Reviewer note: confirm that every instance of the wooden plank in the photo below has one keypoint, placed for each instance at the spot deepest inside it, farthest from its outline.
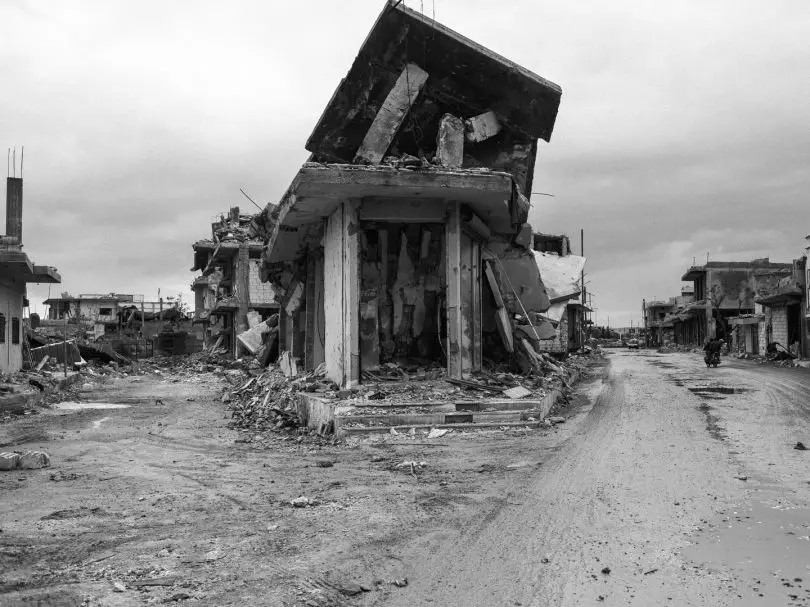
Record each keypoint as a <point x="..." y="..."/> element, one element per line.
<point x="351" y="293"/>
<point x="453" y="251"/>
<point x="505" y="329"/>
<point x="391" y="115"/>
<point x="493" y="285"/>
<point x="333" y="297"/>
<point x="450" y="142"/>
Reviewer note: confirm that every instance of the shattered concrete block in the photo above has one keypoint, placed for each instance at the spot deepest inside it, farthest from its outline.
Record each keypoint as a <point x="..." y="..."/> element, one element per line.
<point x="253" y="318"/>
<point x="33" y="460"/>
<point x="252" y="338"/>
<point x="450" y="142"/>
<point x="9" y="461"/>
<point x="482" y="127"/>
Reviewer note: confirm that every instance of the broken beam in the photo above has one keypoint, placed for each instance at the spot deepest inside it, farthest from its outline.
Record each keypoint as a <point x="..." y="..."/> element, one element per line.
<point x="391" y="115"/>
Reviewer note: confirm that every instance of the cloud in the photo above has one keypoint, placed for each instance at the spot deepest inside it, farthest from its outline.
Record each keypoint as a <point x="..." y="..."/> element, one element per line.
<point x="681" y="128"/>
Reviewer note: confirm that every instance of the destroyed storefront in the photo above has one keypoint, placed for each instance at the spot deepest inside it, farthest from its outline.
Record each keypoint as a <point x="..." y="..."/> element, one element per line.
<point x="406" y="236"/>
<point x="16" y="271"/>
<point x="722" y="290"/>
<point x="781" y="300"/>
<point x="228" y="292"/>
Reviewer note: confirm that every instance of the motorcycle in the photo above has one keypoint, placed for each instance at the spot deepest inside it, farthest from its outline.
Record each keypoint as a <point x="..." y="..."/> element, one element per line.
<point x="712" y="359"/>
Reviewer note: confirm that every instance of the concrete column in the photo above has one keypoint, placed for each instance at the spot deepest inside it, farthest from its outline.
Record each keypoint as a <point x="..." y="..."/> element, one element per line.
<point x="14" y="208"/>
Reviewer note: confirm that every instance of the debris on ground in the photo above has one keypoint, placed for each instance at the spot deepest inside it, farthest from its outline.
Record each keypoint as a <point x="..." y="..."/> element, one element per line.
<point x="24" y="460"/>
<point x="800" y="446"/>
<point x="303" y="502"/>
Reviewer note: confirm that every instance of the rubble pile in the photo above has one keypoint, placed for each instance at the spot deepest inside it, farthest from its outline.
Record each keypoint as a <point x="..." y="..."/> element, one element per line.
<point x="269" y="401"/>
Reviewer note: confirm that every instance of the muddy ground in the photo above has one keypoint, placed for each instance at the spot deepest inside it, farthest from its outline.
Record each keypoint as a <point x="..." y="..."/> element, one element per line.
<point x="669" y="484"/>
<point x="160" y="502"/>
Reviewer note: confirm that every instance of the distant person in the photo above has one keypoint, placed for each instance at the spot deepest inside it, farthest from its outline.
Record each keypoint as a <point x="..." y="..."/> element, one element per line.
<point x="713" y="346"/>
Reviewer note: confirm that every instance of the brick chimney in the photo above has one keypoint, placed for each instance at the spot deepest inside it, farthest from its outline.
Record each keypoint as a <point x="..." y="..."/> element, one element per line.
<point x="14" y="208"/>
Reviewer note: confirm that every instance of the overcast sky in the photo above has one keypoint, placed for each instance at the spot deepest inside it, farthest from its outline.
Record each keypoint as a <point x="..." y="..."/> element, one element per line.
<point x="683" y="127"/>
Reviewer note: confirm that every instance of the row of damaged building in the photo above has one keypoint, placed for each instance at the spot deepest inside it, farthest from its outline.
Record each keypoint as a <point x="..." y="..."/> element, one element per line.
<point x="756" y="307"/>
<point x="405" y="236"/>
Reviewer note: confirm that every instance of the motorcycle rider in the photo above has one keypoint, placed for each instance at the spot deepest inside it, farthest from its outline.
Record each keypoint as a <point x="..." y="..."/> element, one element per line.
<point x="712" y="349"/>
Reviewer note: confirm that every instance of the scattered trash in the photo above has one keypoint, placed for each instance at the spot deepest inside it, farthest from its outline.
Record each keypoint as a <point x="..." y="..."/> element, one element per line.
<point x="606" y="570"/>
<point x="741" y="478"/>
<point x="324" y="463"/>
<point x="119" y="587"/>
<point x="557" y="420"/>
<point x="400" y="583"/>
<point x="651" y="571"/>
<point x="800" y="446"/>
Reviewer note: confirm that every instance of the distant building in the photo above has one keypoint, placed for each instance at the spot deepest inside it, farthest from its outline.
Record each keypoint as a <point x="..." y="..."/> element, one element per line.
<point x="16" y="271"/>
<point x="722" y="290"/>
<point x="107" y="313"/>
<point x="229" y="287"/>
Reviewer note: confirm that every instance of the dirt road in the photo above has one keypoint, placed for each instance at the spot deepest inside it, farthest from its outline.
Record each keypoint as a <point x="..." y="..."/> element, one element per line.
<point x="638" y="499"/>
<point x="680" y="486"/>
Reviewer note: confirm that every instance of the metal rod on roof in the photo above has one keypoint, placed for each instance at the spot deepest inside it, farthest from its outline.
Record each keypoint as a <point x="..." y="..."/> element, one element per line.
<point x="250" y="199"/>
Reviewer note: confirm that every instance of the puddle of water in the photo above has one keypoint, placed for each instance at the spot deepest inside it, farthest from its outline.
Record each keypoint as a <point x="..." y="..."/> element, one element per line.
<point x="71" y="406"/>
<point x="767" y="548"/>
<point x="718" y="389"/>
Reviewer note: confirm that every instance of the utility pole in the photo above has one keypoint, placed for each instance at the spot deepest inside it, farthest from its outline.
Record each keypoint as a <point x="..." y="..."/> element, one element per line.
<point x="644" y="317"/>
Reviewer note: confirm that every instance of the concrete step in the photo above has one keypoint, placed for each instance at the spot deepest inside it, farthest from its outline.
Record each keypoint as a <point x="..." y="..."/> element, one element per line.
<point x="405" y="429"/>
<point x="460" y="405"/>
<point x="435" y="420"/>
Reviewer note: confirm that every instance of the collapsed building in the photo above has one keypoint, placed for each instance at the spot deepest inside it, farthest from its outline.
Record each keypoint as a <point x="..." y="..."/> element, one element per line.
<point x="406" y="234"/>
<point x="229" y="295"/>
<point x="16" y="271"/>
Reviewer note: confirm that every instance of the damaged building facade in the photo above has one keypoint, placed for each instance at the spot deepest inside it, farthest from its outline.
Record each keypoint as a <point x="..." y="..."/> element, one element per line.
<point x="722" y="290"/>
<point x="229" y="293"/>
<point x="406" y="234"/>
<point x="16" y="272"/>
<point x="779" y="312"/>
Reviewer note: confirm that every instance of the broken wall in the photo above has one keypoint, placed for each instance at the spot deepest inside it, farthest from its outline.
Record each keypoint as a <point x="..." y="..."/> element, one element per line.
<point x="402" y="291"/>
<point x="11" y="309"/>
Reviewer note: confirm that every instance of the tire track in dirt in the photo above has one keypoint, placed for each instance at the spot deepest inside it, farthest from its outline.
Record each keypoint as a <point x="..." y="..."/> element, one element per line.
<point x="623" y="489"/>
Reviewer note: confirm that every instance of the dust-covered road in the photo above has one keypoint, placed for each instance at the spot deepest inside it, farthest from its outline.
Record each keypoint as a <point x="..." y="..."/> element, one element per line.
<point x="680" y="485"/>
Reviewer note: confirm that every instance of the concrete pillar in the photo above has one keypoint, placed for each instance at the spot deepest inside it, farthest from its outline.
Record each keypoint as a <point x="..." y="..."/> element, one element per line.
<point x="14" y="208"/>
